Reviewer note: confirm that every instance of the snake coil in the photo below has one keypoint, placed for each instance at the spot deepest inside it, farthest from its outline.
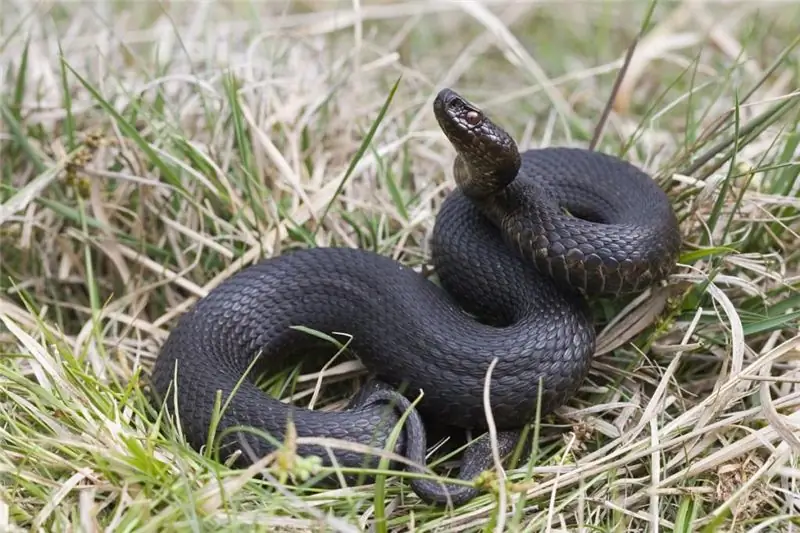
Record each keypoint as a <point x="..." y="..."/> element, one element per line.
<point x="513" y="270"/>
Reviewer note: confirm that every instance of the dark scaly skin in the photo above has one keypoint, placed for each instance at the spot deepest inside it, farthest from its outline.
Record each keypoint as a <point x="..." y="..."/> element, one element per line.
<point x="626" y="238"/>
<point x="410" y="333"/>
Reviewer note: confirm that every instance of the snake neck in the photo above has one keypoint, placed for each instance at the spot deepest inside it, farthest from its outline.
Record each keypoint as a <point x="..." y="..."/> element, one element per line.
<point x="481" y="178"/>
<point x="506" y="207"/>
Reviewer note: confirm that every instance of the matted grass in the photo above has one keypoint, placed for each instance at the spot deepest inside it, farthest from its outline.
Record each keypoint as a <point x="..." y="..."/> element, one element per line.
<point x="175" y="144"/>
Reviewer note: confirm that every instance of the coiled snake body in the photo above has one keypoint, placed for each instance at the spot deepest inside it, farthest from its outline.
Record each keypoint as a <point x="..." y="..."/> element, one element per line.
<point x="513" y="269"/>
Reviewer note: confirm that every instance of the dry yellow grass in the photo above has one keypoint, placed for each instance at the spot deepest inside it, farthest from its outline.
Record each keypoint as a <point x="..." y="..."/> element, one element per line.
<point x="177" y="143"/>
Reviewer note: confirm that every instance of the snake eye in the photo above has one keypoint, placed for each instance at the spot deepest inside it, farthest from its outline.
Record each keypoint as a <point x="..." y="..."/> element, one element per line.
<point x="473" y="118"/>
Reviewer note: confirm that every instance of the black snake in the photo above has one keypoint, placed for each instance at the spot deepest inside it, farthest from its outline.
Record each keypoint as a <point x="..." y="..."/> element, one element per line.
<point x="513" y="269"/>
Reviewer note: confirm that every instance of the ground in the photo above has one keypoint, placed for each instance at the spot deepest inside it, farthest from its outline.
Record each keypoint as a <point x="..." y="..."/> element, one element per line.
<point x="150" y="150"/>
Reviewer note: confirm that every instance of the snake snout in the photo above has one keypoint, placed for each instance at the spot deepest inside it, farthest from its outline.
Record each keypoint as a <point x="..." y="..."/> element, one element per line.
<point x="446" y="97"/>
<point x="449" y="109"/>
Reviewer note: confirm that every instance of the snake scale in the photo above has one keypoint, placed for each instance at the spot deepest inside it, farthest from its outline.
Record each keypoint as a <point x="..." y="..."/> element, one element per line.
<point x="517" y="246"/>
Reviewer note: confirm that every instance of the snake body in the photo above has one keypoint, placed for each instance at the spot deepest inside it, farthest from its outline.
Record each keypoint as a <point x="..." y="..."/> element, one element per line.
<point x="513" y="270"/>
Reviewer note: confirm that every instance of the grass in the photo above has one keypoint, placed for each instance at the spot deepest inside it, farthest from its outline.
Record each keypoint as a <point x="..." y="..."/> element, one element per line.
<point x="150" y="151"/>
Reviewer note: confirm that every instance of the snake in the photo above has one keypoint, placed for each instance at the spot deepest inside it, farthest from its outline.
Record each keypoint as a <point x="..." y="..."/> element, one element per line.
<point x="519" y="247"/>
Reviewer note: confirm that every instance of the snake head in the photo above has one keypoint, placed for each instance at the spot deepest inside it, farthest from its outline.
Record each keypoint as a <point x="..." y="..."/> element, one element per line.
<point x="488" y="158"/>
